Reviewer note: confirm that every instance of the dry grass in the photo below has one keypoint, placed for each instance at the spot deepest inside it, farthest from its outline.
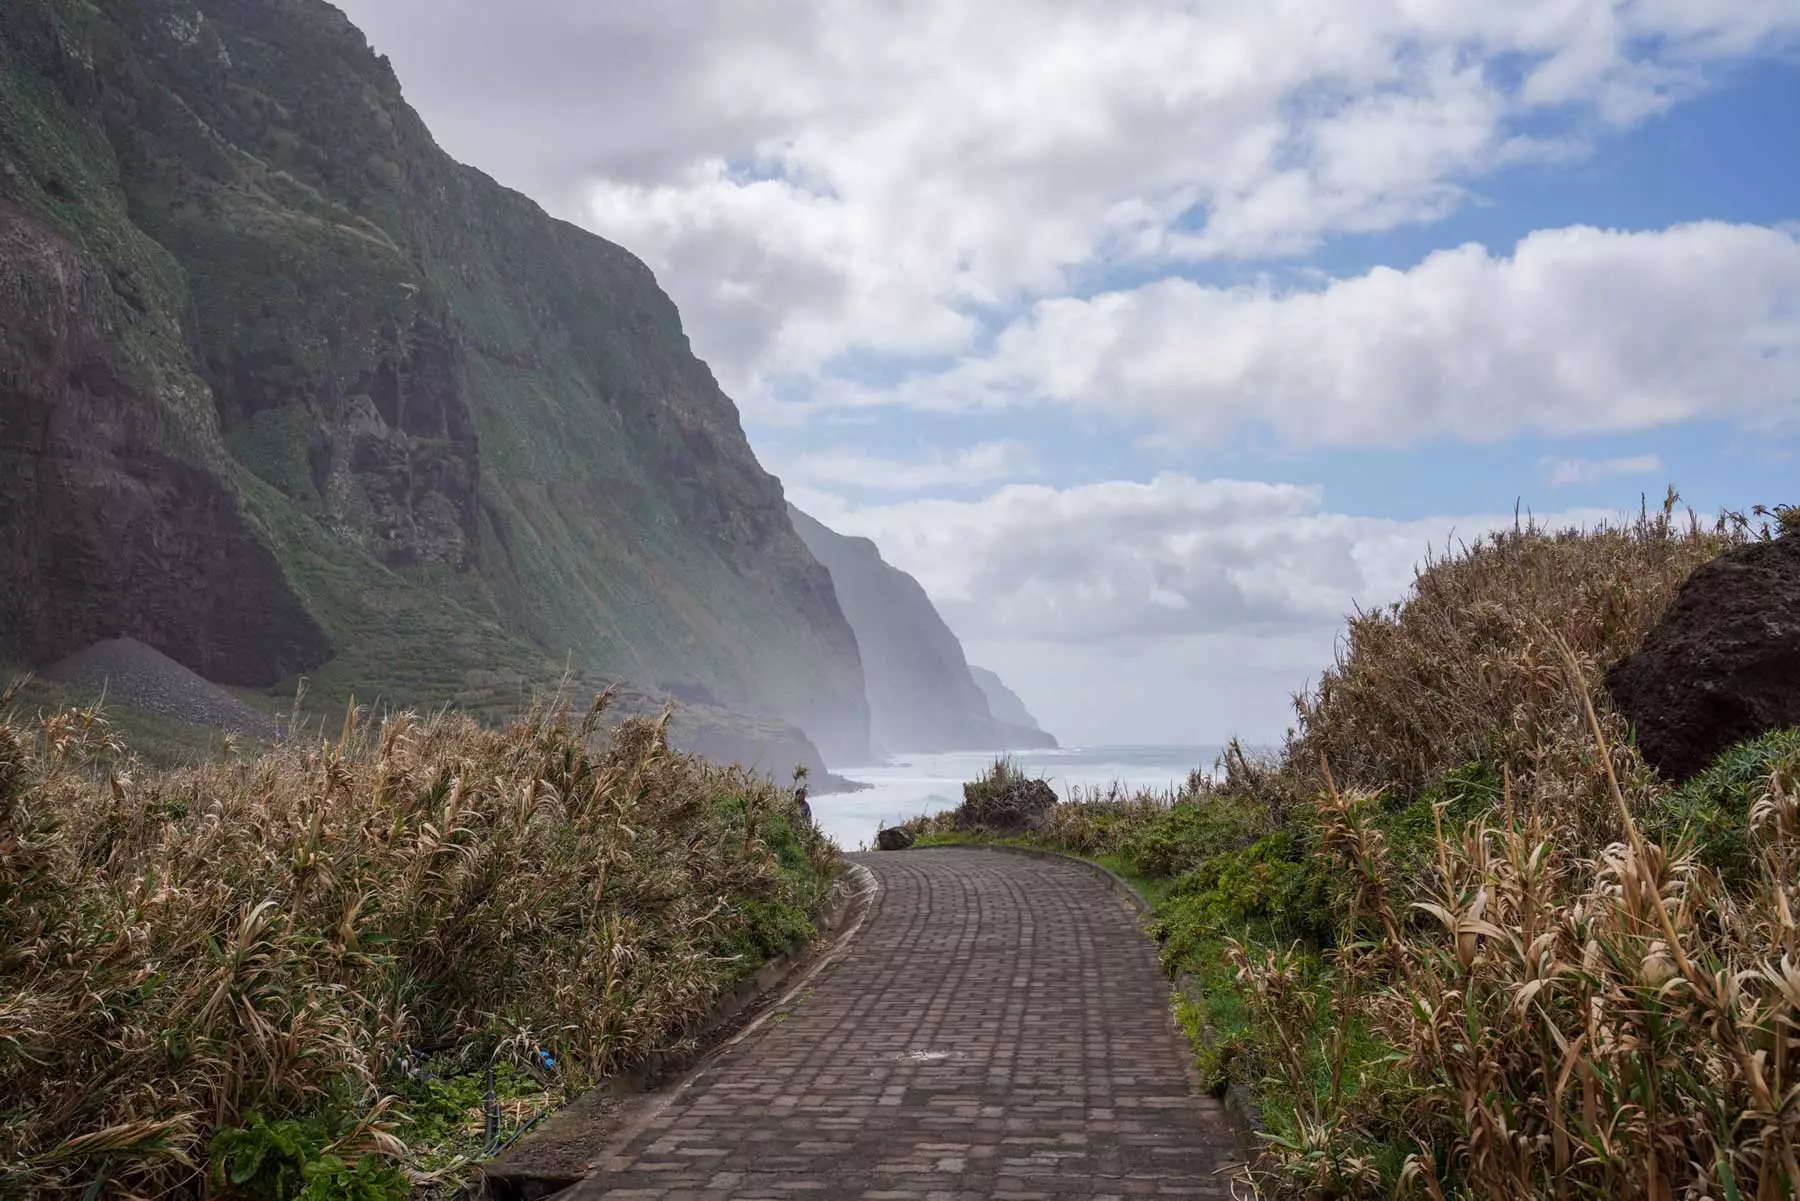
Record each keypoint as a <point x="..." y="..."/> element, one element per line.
<point x="1463" y="670"/>
<point x="279" y="935"/>
<point x="1435" y="933"/>
<point x="1615" y="1022"/>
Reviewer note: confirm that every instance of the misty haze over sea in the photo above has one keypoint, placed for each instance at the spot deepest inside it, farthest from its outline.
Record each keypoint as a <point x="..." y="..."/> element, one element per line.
<point x="912" y="784"/>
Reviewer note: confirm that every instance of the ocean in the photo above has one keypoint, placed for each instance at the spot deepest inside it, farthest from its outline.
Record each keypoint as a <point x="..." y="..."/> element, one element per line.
<point x="912" y="784"/>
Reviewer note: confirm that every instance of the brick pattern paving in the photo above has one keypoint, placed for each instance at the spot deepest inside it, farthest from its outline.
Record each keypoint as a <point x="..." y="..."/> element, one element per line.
<point x="998" y="1029"/>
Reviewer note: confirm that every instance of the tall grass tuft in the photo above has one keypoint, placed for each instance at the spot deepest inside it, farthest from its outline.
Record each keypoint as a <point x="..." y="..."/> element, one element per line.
<point x="190" y="954"/>
<point x="1612" y="1021"/>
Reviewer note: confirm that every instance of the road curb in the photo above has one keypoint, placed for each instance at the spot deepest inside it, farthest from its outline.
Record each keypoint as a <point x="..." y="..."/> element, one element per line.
<point x="1240" y="1104"/>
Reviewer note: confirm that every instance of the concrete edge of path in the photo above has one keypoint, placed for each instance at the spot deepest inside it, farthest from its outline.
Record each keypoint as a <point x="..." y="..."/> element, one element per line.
<point x="570" y="1143"/>
<point x="1240" y="1103"/>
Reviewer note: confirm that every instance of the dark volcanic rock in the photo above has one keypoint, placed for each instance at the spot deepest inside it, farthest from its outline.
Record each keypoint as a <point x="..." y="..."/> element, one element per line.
<point x="115" y="513"/>
<point x="1723" y="665"/>
<point x="893" y="838"/>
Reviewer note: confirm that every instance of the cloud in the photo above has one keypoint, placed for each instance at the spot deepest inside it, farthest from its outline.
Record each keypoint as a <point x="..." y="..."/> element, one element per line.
<point x="1173" y="611"/>
<point x="1579" y="331"/>
<point x="1563" y="473"/>
<point x="978" y="466"/>
<point x="810" y="179"/>
<point x="1124" y="563"/>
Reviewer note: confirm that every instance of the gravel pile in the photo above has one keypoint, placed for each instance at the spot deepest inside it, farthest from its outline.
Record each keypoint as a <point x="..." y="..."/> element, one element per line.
<point x="136" y="675"/>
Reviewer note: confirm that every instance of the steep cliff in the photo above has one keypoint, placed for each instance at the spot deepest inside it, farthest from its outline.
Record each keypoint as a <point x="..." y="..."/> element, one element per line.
<point x="922" y="696"/>
<point x="288" y="390"/>
<point x="1006" y="707"/>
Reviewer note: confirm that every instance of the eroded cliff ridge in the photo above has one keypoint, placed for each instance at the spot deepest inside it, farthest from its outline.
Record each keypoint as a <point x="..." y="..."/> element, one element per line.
<point x="286" y="389"/>
<point x="923" y="696"/>
<point x="1004" y="703"/>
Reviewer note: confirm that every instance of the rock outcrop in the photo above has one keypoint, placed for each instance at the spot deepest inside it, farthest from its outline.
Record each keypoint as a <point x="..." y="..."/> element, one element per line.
<point x="1723" y="665"/>
<point x="285" y="389"/>
<point x="921" y="694"/>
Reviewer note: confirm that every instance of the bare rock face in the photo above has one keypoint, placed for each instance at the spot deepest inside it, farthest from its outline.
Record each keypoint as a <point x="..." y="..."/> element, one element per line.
<point x="923" y="695"/>
<point x="117" y="516"/>
<point x="1008" y="709"/>
<point x="1723" y="665"/>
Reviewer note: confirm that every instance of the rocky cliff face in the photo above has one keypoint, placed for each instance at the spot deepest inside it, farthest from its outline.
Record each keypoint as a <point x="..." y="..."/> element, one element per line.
<point x="287" y="389"/>
<point x="922" y="696"/>
<point x="1007" y="708"/>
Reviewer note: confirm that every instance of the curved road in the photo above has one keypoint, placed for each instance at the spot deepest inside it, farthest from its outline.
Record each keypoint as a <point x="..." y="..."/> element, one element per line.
<point x="999" y="1027"/>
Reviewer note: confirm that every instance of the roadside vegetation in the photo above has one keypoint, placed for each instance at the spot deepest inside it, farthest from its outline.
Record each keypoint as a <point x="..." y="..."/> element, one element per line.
<point x="1456" y="937"/>
<point x="346" y="966"/>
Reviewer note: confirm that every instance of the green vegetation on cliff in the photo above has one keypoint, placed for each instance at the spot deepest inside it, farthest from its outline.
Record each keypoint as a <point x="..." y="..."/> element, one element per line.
<point x="322" y="400"/>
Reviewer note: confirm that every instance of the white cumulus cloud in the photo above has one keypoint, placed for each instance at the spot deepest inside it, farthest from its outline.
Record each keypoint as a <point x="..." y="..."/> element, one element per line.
<point x="1127" y="561"/>
<point x="1177" y="610"/>
<point x="979" y="466"/>
<point x="812" y="179"/>
<point x="1578" y="331"/>
<point x="1564" y="473"/>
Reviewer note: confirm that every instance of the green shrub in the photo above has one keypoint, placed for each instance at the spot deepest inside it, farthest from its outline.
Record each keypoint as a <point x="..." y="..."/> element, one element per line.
<point x="1188" y="834"/>
<point x="1463" y="794"/>
<point x="1713" y="808"/>
<point x="1279" y="879"/>
<point x="442" y="1118"/>
<point x="294" y="1160"/>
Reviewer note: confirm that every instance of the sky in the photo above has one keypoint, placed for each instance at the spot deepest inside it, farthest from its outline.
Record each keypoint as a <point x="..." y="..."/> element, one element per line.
<point x="1153" y="336"/>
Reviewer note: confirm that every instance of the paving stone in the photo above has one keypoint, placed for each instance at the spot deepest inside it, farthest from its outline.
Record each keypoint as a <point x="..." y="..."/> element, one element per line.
<point x="998" y="1028"/>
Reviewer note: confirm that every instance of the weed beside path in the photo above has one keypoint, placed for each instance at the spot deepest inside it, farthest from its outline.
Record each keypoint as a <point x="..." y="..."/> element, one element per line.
<point x="287" y="975"/>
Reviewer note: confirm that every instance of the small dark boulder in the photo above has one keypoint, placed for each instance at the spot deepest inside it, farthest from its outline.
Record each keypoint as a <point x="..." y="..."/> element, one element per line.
<point x="1723" y="665"/>
<point x="893" y="838"/>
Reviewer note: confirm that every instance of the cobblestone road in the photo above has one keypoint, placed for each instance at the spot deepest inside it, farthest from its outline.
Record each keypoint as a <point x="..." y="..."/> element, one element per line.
<point x="998" y="1028"/>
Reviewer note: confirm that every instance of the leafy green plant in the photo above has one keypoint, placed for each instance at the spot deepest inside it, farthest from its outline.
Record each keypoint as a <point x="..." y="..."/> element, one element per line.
<point x="1712" y="811"/>
<point x="1188" y="834"/>
<point x="292" y="1160"/>
<point x="443" y="1119"/>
